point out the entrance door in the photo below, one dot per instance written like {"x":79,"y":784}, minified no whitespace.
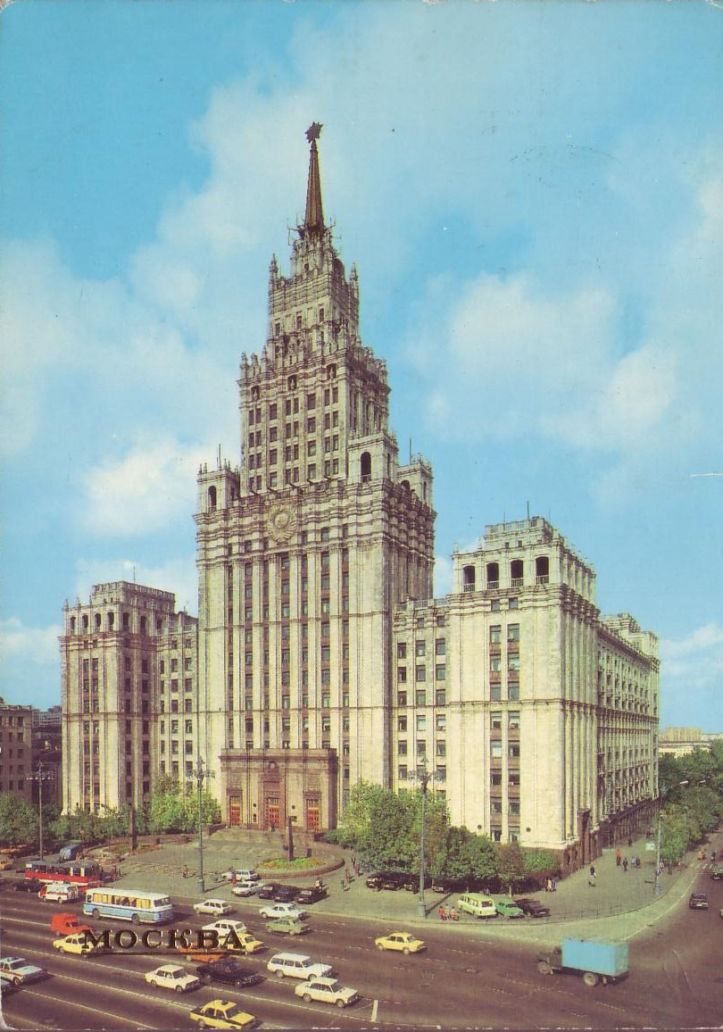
{"x":313,"y":815}
{"x":234,"y":810}
{"x":273,"y":812}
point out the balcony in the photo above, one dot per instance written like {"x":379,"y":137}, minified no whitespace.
{"x":493,"y":584}
{"x":542,"y":579}
{"x":517,"y":582}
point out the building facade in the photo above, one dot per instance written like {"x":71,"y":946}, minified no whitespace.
{"x":321,"y":657}
{"x":16,"y":765}
{"x":126,"y":681}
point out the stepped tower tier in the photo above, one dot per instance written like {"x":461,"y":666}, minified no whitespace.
{"x":304,"y":550}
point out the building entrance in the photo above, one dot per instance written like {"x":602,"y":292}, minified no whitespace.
{"x":273,"y":812}
{"x":234,"y":810}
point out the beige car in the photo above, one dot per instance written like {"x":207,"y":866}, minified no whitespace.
{"x":326,"y":990}
{"x":79,"y":944}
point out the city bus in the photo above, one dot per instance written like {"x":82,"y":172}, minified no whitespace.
{"x":84,"y":873}
{"x":128,"y":905}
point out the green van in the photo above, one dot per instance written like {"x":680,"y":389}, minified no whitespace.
{"x":477,"y":905}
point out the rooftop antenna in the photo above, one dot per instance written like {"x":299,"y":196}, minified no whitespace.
{"x":528,"y":509}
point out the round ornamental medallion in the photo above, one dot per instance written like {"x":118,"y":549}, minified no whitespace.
{"x":283,"y":521}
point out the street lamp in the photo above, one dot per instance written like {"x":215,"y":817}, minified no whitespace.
{"x":201,"y":775}
{"x":40,"y":776}
{"x":423,"y":776}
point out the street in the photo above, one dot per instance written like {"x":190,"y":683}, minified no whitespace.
{"x":467,"y":978}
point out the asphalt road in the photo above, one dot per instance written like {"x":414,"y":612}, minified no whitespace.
{"x":464,"y":979}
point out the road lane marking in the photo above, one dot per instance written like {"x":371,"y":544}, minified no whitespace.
{"x":83,"y":1006}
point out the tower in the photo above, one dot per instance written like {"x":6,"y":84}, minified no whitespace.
{"x":303,"y":552}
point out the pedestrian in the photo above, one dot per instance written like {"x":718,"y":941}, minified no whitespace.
{"x":184,"y":871}
{"x":625,"y":864}
{"x":548,"y":885}
{"x":591,"y":878}
{"x":554,"y":884}
{"x":453,"y":915}
{"x":630,"y":841}
{"x":618,"y":857}
{"x":712,"y":856}
{"x":442,"y":914}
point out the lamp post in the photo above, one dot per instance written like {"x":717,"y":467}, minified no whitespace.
{"x":40,"y":776}
{"x":201,"y":775}
{"x":423,"y":776}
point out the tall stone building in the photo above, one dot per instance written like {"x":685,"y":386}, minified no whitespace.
{"x":322,"y":658}
{"x":129,"y":694}
{"x":304,"y":551}
{"x":16,"y":750}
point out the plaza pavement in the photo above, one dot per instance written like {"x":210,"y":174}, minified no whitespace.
{"x":621,"y":905}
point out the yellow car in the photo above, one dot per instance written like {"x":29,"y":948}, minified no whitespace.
{"x":402,"y":941}
{"x":244,"y":942}
{"x":222,"y":1014}
{"x":79,"y":944}
{"x":6,"y":864}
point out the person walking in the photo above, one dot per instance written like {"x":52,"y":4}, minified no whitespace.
{"x":592,"y":878}
{"x":625,"y":864}
{"x":618,"y":857}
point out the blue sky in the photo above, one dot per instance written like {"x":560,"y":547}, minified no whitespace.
{"x":532,"y":193}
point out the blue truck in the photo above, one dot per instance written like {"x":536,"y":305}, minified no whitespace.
{"x":595,"y":961}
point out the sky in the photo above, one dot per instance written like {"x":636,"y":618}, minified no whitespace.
{"x":532,"y":193}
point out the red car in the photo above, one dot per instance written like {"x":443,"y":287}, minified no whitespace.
{"x":67,"y":924}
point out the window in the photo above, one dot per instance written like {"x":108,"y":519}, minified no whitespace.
{"x":513,"y":662}
{"x":421,"y":697}
{"x":421,"y":748}
{"x":402,"y":772}
{"x":495,"y":664}
{"x":311,"y":425}
{"x":495,"y":605}
{"x":401,"y":650}
{"x":421,"y":722}
{"x":514,"y":750}
{"x":402,"y":674}
{"x":468,"y":578}
{"x":495,"y":693}
{"x":440,"y":672}
{"x":401,"y":723}
{"x":440,"y":647}
{"x":441,"y":749}
{"x":402,"y":747}
{"x":513,"y":720}
{"x":513,"y":632}
{"x":440,"y":722}
{"x":495,"y":634}
{"x":440,"y":697}
{"x":419,"y":648}
{"x":496,"y":750}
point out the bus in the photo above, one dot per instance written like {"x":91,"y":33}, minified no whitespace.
{"x":84,"y":873}
{"x":128,"y":905}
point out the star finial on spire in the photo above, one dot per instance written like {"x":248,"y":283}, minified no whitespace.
{"x":314,"y":131}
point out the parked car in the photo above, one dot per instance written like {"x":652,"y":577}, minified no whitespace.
{"x":282,"y":910}
{"x":447,"y":885}
{"x":392,"y":880}
{"x":326,"y":990}
{"x":228,"y":969}
{"x":532,"y":907}
{"x":698,"y":901}
{"x":79,"y":944}
{"x":476,"y":904}
{"x":298,"y":965}
{"x":222,"y":1014}
{"x":312,"y":894}
{"x":213,"y":906}
{"x":286,"y":893}
{"x":716,"y":872}
{"x":241,"y":874}
{"x":67,"y":924}
{"x":245,"y":888}
{"x":508,"y":908}
{"x":267,"y":890}
{"x":404,"y":942}
{"x":19,"y":971}
{"x":170,"y":976}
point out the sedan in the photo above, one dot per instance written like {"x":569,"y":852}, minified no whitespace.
{"x":282,"y":910}
{"x":222,"y":1014}
{"x":698,"y":901}
{"x":245,"y":888}
{"x":507,"y":908}
{"x":79,"y":944}
{"x":532,"y":907}
{"x":267,"y":890}
{"x":213,"y":906}
{"x":312,"y":895}
{"x":286,"y":893}
{"x":17,"y":970}
{"x":26,"y":885}
{"x":229,"y":970}
{"x":402,"y":941}
{"x":225,"y":925}
{"x":169,"y":976}
{"x":326,"y":990}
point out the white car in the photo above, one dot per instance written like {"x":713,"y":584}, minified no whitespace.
{"x":327,"y":990}
{"x":17,"y":970}
{"x":282,"y":910}
{"x":213,"y":906}
{"x":241,"y":874}
{"x":225,"y":925}
{"x":170,"y":976}
{"x":298,"y":965}
{"x":246,"y":888}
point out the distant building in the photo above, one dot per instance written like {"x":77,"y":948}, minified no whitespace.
{"x":16,"y":750}
{"x":47,"y":751}
{"x":679,"y":741}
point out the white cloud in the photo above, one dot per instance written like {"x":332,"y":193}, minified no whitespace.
{"x":150,"y":487}
{"x":176,"y":575}
{"x":31,"y":645}
{"x":691,"y":677}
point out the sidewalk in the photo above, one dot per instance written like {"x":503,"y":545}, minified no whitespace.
{"x":621,"y":905}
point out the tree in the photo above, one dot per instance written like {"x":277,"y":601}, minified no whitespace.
{"x":510,"y":865}
{"x":18,"y":821}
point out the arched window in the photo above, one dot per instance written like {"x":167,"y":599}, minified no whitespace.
{"x":97,"y":621}
{"x":366,"y":466}
{"x":72,"y":625}
{"x":85,"y":621}
{"x":405,"y":485}
{"x":143,"y":625}
{"x":493,"y":575}
{"x":469,"y":578}
{"x":542,"y":569}
{"x":516,"y":573}
{"x":111,"y":620}
{"x":211,"y":498}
